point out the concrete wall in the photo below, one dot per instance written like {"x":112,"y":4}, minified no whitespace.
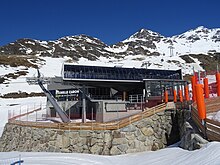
{"x":110,"y":110}
{"x":65,"y":105}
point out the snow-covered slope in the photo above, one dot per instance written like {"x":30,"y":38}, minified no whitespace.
{"x":50,"y":67}
{"x":195,"y":41}
{"x":200,"y":40}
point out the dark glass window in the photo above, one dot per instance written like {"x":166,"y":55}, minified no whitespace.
{"x":115,"y":73}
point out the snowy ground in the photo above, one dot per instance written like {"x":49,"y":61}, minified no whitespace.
{"x":214,"y":116}
{"x":208,"y":155}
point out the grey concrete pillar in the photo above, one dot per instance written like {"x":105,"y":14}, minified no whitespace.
{"x":83,"y":105}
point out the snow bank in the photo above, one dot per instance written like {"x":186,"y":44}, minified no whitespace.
{"x":216,"y":117}
{"x":10,"y":107}
{"x":209,"y":154}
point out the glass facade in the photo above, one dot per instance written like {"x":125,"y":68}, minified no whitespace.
{"x":117,"y":73}
{"x":157,"y":88}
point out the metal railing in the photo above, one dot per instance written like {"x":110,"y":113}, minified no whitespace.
{"x":90,"y":125}
{"x":136,"y":98}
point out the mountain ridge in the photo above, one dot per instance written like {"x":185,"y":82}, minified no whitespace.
{"x":145,"y":38}
{"x":196,"y":49}
{"x":145,"y":48}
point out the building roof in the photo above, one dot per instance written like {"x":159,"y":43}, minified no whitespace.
{"x":98,"y":73}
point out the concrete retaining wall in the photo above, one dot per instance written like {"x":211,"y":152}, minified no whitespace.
{"x":151,"y":133}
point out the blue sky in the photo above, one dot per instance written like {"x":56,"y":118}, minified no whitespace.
{"x":109,"y":20}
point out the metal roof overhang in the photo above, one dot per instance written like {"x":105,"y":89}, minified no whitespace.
{"x":101,"y":80}
{"x":166,"y":80}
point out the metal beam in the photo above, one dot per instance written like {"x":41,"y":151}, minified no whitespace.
{"x":53,"y":101}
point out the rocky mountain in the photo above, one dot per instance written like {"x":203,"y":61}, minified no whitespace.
{"x":196,"y":41}
{"x":195,"y":49}
{"x":143,"y":42}
{"x":72,"y":46}
{"x":144,"y":48}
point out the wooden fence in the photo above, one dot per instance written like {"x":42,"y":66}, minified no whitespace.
{"x":94,"y":125}
{"x":209,"y":128}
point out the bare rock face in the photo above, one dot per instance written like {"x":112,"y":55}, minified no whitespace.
{"x":191,"y":139}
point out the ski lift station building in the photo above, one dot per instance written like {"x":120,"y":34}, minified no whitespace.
{"x":111,"y":93}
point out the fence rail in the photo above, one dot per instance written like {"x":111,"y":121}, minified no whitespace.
{"x":94,"y":125}
{"x":196,"y":119}
{"x":212,"y":128}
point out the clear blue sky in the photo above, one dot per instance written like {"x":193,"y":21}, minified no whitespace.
{"x":109,"y":20}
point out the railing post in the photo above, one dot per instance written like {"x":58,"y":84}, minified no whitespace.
{"x":92,"y":118}
{"x":118,"y":124}
{"x":20,"y":114}
{"x":27,"y":112}
{"x":36,"y":116}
